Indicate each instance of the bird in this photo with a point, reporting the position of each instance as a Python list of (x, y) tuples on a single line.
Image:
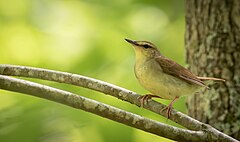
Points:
[(163, 77)]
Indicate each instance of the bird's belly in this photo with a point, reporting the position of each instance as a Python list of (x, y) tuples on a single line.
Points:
[(162, 84)]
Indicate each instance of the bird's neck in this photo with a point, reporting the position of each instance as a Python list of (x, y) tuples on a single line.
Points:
[(141, 58)]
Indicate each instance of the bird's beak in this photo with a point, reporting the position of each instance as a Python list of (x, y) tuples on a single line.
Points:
[(131, 41)]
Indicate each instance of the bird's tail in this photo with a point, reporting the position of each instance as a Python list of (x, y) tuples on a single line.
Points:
[(210, 78)]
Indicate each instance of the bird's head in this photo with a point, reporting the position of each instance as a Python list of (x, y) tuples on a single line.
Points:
[(144, 49)]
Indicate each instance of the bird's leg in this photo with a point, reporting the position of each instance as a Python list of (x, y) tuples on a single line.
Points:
[(144, 98), (169, 107)]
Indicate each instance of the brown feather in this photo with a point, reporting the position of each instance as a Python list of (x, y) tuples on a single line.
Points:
[(211, 78), (172, 68)]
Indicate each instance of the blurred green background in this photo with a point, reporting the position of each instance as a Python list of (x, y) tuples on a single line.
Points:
[(84, 37)]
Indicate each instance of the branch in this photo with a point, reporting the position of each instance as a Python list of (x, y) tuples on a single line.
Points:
[(100, 86), (106, 111), (115, 91)]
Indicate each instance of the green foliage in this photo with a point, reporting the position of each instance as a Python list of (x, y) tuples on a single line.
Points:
[(83, 37)]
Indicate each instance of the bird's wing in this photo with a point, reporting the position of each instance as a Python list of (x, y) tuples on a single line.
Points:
[(172, 68)]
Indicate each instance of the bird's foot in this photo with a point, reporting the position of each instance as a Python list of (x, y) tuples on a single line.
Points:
[(143, 99), (169, 107)]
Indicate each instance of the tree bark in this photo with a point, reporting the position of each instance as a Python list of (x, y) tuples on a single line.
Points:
[(212, 40)]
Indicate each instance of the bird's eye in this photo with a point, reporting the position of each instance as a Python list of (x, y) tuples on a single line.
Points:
[(146, 46)]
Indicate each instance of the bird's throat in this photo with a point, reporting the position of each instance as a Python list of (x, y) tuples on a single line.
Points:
[(140, 57)]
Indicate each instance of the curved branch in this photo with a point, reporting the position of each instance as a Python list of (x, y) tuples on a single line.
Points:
[(101, 86), (121, 93), (106, 111)]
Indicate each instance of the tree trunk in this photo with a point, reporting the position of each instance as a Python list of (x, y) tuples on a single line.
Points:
[(212, 40)]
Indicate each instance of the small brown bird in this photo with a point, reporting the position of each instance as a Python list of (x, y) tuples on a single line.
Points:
[(163, 77)]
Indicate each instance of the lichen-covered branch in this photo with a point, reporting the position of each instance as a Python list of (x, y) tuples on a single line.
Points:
[(106, 111), (101, 86), (121, 93)]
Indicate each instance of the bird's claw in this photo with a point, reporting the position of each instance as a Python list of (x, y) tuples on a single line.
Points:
[(169, 109), (144, 99)]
